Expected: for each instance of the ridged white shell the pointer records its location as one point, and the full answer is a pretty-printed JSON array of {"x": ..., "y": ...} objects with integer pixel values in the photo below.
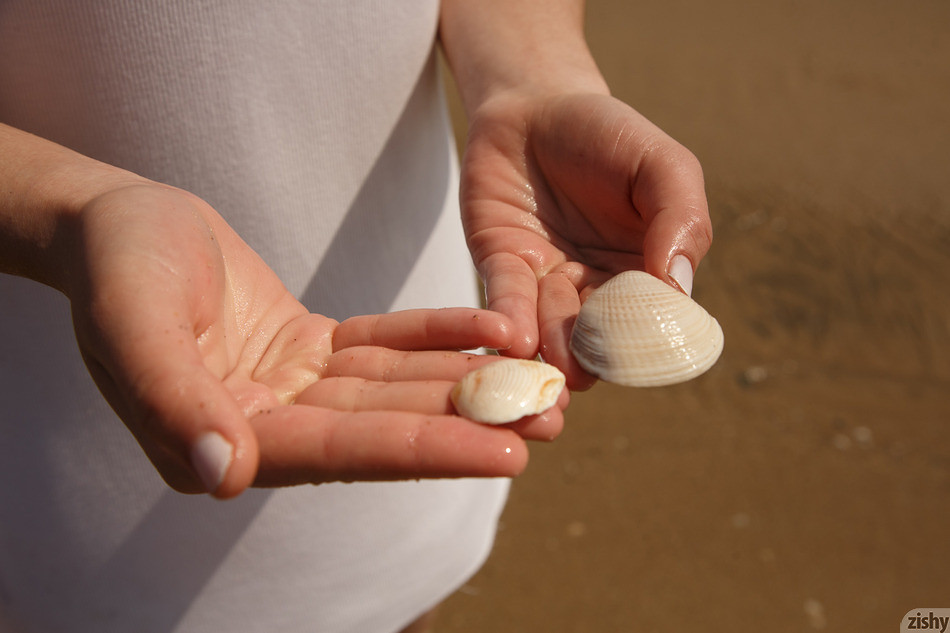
[
  {"x": 507, "y": 390},
  {"x": 637, "y": 331}
]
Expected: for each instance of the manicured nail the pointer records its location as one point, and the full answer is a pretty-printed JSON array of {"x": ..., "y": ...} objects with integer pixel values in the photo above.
[
  {"x": 681, "y": 270},
  {"x": 211, "y": 457}
]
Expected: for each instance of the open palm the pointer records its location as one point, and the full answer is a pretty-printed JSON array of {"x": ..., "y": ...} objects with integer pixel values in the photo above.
[{"x": 188, "y": 333}]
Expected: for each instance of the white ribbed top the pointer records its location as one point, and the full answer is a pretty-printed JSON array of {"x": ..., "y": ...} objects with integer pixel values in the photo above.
[{"x": 318, "y": 130}]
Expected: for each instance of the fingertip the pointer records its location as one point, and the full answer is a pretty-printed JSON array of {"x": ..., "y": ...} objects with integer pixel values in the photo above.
[
  {"x": 680, "y": 270},
  {"x": 564, "y": 398},
  {"x": 675, "y": 246},
  {"x": 556, "y": 350},
  {"x": 523, "y": 346},
  {"x": 558, "y": 353},
  {"x": 512, "y": 290},
  {"x": 543, "y": 427},
  {"x": 211, "y": 457},
  {"x": 224, "y": 466},
  {"x": 580, "y": 380},
  {"x": 512, "y": 460},
  {"x": 522, "y": 324},
  {"x": 500, "y": 329}
]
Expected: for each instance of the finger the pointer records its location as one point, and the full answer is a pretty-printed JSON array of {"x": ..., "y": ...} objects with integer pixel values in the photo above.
[
  {"x": 558, "y": 305},
  {"x": 382, "y": 364},
  {"x": 302, "y": 444},
  {"x": 347, "y": 393},
  {"x": 674, "y": 246},
  {"x": 431, "y": 397},
  {"x": 446, "y": 328},
  {"x": 512, "y": 289},
  {"x": 188, "y": 410},
  {"x": 670, "y": 194},
  {"x": 543, "y": 427},
  {"x": 185, "y": 420}
]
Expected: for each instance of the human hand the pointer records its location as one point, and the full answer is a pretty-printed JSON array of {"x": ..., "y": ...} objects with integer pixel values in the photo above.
[
  {"x": 561, "y": 192},
  {"x": 227, "y": 381}
]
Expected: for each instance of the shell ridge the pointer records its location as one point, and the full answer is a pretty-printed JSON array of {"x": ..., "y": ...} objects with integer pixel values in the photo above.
[
  {"x": 636, "y": 330},
  {"x": 507, "y": 390}
]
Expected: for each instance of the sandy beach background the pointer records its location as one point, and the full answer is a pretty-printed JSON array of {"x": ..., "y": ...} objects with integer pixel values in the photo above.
[{"x": 803, "y": 484}]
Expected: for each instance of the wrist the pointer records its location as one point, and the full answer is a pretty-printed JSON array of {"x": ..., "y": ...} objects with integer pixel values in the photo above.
[
  {"x": 502, "y": 49},
  {"x": 45, "y": 187},
  {"x": 542, "y": 77}
]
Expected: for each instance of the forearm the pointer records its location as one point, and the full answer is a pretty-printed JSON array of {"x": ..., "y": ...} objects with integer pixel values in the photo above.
[
  {"x": 497, "y": 46},
  {"x": 43, "y": 187}
]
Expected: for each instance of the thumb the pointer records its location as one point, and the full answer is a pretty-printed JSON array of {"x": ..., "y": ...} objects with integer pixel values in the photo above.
[
  {"x": 671, "y": 197},
  {"x": 149, "y": 283},
  {"x": 187, "y": 422},
  {"x": 193, "y": 419}
]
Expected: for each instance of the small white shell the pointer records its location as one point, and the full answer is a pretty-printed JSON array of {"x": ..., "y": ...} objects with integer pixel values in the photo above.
[
  {"x": 637, "y": 331},
  {"x": 507, "y": 390}
]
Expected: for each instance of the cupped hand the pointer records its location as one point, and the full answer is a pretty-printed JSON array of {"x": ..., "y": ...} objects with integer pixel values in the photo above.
[
  {"x": 227, "y": 381},
  {"x": 559, "y": 193}
]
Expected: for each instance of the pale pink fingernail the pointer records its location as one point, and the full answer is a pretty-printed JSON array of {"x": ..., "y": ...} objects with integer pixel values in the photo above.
[
  {"x": 211, "y": 457},
  {"x": 681, "y": 270}
]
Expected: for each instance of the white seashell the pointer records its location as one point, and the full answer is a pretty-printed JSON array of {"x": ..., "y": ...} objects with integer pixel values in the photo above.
[
  {"x": 507, "y": 390},
  {"x": 637, "y": 331}
]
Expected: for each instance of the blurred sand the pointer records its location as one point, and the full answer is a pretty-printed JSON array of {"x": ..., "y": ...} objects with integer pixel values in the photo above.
[{"x": 804, "y": 483}]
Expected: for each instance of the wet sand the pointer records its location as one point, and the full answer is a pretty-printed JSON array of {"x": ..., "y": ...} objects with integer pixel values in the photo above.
[{"x": 803, "y": 484}]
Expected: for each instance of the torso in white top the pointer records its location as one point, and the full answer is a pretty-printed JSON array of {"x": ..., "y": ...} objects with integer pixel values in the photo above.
[{"x": 318, "y": 130}]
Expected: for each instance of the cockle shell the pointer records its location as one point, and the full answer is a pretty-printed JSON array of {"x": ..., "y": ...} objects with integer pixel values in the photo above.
[
  {"x": 637, "y": 331},
  {"x": 507, "y": 390}
]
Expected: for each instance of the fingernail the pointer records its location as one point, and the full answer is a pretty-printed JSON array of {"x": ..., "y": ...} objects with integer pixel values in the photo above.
[
  {"x": 211, "y": 457},
  {"x": 681, "y": 270}
]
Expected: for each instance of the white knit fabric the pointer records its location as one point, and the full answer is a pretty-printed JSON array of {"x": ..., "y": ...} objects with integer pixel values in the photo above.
[{"x": 318, "y": 130}]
